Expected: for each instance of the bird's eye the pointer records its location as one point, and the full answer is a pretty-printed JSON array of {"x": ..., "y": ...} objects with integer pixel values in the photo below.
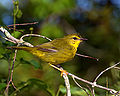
[{"x": 75, "y": 38}]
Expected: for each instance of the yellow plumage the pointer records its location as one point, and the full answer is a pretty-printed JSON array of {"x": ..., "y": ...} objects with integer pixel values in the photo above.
[{"x": 57, "y": 51}]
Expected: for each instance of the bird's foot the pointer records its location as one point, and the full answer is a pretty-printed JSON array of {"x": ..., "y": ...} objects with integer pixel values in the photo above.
[{"x": 64, "y": 72}]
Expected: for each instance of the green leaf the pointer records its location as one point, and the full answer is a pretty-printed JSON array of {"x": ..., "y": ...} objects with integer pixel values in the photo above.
[
  {"x": 36, "y": 64},
  {"x": 2, "y": 86},
  {"x": 16, "y": 34},
  {"x": 19, "y": 14},
  {"x": 74, "y": 91},
  {"x": 62, "y": 89},
  {"x": 4, "y": 67},
  {"x": 23, "y": 61},
  {"x": 31, "y": 83},
  {"x": 30, "y": 86},
  {"x": 16, "y": 3},
  {"x": 32, "y": 62},
  {"x": 41, "y": 85}
]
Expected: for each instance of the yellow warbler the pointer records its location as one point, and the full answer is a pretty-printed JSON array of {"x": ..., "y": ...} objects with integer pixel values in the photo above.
[{"x": 57, "y": 51}]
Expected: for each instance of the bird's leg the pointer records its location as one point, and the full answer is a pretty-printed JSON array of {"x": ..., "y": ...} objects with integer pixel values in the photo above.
[
  {"x": 63, "y": 71},
  {"x": 58, "y": 67}
]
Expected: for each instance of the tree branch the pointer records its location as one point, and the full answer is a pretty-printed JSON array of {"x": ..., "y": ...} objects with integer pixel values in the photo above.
[
  {"x": 93, "y": 84},
  {"x": 106, "y": 70},
  {"x": 67, "y": 84}
]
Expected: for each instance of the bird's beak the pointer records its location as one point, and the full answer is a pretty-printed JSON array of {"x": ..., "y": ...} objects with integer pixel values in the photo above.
[{"x": 83, "y": 39}]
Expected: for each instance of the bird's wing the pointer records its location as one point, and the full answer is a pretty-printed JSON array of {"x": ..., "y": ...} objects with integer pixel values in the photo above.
[{"x": 46, "y": 47}]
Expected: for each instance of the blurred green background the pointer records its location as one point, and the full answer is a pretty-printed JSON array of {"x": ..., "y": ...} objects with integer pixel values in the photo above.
[{"x": 96, "y": 20}]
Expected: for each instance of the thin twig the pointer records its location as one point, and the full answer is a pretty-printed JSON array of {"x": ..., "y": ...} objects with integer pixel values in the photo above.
[
  {"x": 107, "y": 85},
  {"x": 10, "y": 38},
  {"x": 26, "y": 35},
  {"x": 93, "y": 84},
  {"x": 80, "y": 86},
  {"x": 117, "y": 68},
  {"x": 15, "y": 29},
  {"x": 105, "y": 71},
  {"x": 23, "y": 24},
  {"x": 8, "y": 74},
  {"x": 88, "y": 82},
  {"x": 67, "y": 84},
  {"x": 9, "y": 26},
  {"x": 11, "y": 76},
  {"x": 65, "y": 79},
  {"x": 86, "y": 56},
  {"x": 91, "y": 90}
]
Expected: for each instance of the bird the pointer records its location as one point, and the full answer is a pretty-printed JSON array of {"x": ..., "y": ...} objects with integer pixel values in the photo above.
[{"x": 56, "y": 51}]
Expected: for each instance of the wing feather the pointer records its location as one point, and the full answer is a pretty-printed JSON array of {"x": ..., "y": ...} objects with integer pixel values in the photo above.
[{"x": 47, "y": 47}]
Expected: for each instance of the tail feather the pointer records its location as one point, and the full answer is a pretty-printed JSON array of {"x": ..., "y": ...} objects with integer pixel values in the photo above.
[{"x": 20, "y": 48}]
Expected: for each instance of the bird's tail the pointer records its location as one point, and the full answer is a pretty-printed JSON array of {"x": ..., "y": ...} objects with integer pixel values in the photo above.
[{"x": 20, "y": 48}]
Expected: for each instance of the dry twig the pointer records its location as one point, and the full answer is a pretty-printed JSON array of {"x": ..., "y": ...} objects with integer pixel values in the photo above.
[
  {"x": 11, "y": 75},
  {"x": 23, "y": 24},
  {"x": 80, "y": 86},
  {"x": 106, "y": 70}
]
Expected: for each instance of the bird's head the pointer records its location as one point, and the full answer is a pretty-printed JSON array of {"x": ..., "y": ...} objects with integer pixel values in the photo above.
[{"x": 74, "y": 39}]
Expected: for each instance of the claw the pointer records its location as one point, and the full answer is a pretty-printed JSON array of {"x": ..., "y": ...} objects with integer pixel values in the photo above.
[{"x": 64, "y": 72}]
